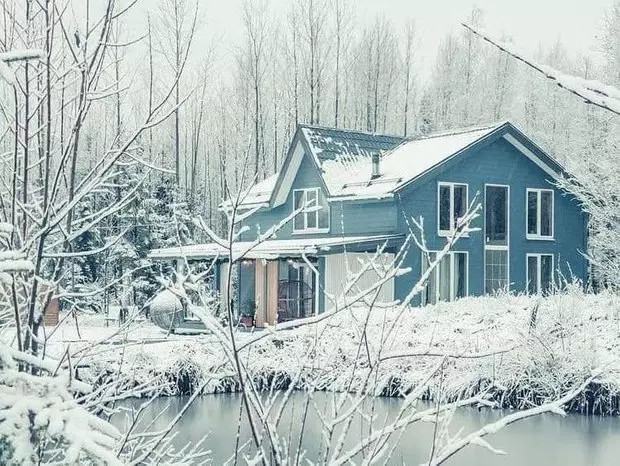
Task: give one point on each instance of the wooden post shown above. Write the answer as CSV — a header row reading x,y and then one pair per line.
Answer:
x,y
272,292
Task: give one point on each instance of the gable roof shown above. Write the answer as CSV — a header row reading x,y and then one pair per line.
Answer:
x,y
343,159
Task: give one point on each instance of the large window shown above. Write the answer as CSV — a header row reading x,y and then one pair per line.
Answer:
x,y
539,213
539,273
449,279
314,216
496,215
496,235
452,207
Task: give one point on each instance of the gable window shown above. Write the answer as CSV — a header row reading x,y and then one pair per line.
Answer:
x,y
314,216
452,206
539,213
449,280
539,273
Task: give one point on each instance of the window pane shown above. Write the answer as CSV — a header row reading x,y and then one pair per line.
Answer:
x,y
310,198
532,197
431,285
444,208
312,216
532,274
546,272
460,275
311,219
246,284
496,215
324,212
496,271
460,202
546,213
299,218
444,279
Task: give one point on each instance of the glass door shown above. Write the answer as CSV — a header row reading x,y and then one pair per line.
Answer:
x,y
496,236
296,290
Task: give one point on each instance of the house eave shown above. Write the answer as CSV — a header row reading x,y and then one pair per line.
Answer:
x,y
353,198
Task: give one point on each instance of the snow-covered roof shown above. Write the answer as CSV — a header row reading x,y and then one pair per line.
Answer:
x,y
345,160
346,176
332,143
258,194
269,249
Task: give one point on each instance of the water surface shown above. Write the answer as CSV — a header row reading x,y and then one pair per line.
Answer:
x,y
573,440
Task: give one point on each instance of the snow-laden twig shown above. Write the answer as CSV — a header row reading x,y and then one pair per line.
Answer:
x,y
591,91
551,407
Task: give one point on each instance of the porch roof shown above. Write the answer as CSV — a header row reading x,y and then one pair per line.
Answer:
x,y
269,249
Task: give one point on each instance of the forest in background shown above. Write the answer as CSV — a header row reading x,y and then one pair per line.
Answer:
x,y
226,128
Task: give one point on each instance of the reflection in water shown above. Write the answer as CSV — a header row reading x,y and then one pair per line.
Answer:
x,y
573,440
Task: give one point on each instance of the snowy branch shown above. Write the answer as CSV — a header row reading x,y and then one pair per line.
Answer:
x,y
591,91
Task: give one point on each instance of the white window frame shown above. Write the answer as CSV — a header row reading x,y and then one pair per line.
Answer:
x,y
436,274
314,212
451,185
537,236
538,270
489,247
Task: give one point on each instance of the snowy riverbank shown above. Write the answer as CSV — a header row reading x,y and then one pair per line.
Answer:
x,y
491,343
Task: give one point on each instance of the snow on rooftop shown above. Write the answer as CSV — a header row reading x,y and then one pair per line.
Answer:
x,y
270,249
260,193
351,177
347,167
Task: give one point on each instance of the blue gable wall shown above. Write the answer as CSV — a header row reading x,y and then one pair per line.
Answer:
x,y
497,162
346,218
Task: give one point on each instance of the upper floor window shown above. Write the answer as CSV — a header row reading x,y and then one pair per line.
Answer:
x,y
452,204
314,216
539,213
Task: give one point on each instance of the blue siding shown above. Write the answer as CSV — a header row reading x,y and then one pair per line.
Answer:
x,y
346,218
363,218
496,163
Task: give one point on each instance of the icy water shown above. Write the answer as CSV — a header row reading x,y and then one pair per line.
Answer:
x,y
573,440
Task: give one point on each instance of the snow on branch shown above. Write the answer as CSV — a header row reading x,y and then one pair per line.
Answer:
x,y
6,72
22,55
491,428
590,90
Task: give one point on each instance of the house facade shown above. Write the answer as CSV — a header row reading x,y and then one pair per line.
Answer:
x,y
347,193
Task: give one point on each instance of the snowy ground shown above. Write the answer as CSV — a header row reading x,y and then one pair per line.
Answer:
x,y
488,341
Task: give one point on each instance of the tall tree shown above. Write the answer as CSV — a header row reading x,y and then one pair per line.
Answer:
x,y
343,16
253,62
410,34
178,20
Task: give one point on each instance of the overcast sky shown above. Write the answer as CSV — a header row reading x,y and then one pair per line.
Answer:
x,y
530,22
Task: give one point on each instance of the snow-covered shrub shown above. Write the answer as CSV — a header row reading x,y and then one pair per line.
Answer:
x,y
490,343
40,416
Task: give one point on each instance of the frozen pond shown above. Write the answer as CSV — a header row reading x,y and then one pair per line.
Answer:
x,y
548,439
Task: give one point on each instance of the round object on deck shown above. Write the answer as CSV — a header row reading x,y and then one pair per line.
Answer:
x,y
166,310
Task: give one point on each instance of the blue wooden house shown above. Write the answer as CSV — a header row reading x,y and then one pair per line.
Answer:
x,y
358,191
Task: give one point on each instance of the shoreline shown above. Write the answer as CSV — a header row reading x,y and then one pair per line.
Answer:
x,y
573,333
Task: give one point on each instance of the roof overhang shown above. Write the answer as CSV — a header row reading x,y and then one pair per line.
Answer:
x,y
270,249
